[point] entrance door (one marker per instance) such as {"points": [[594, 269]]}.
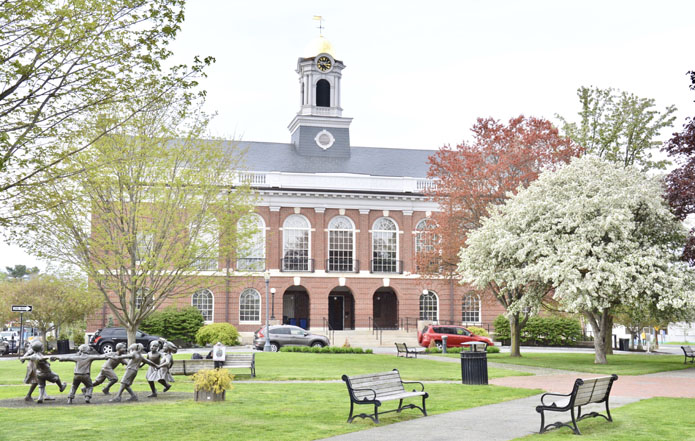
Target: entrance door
{"points": [[385, 308], [336, 312]]}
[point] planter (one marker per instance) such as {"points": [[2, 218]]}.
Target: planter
{"points": [[204, 395]]}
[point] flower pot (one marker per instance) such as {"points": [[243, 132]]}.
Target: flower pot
{"points": [[204, 395]]}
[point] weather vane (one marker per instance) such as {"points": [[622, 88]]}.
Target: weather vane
{"points": [[320, 26]]}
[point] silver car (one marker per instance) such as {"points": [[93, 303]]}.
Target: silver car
{"points": [[287, 335]]}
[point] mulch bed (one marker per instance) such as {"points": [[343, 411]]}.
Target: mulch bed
{"points": [[98, 399]]}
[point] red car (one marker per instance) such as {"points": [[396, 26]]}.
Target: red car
{"points": [[455, 336]]}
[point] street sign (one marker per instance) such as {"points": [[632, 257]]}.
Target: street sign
{"points": [[21, 308]]}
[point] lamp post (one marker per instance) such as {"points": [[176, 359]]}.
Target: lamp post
{"points": [[266, 347], [272, 303]]}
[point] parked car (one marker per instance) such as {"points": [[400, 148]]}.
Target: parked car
{"points": [[455, 336], [4, 347], [105, 340], [288, 335]]}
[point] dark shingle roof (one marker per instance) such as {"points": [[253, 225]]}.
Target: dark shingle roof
{"points": [[374, 161]]}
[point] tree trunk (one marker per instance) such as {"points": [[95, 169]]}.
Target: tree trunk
{"points": [[515, 335], [633, 336], [130, 332], [609, 334], [598, 323]]}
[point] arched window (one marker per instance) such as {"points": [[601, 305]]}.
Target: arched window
{"points": [[323, 93], [341, 244], [429, 306], [250, 306], [470, 309], [296, 233], [251, 254], [424, 236], [385, 246], [204, 301]]}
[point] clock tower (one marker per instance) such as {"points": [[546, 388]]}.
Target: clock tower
{"points": [[319, 129]]}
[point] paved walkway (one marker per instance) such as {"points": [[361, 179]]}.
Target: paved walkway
{"points": [[517, 418]]}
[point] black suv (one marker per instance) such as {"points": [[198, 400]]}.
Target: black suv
{"points": [[105, 340]]}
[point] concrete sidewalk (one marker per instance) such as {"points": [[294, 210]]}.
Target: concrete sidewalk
{"points": [[494, 422]]}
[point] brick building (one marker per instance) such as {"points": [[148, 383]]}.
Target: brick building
{"points": [[339, 228]]}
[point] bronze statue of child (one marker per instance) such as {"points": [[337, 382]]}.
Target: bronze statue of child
{"points": [[154, 372], [31, 377], [83, 369], [43, 370], [108, 369], [131, 371], [168, 351]]}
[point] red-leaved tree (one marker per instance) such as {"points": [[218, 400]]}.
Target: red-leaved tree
{"points": [[473, 175], [680, 183]]}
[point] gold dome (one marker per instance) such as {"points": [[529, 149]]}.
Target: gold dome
{"points": [[319, 45]]}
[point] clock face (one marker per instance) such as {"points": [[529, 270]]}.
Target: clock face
{"points": [[324, 63]]}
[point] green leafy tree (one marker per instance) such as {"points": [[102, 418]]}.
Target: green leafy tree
{"points": [[56, 301], [593, 235], [140, 211], [61, 61], [619, 126], [21, 271]]}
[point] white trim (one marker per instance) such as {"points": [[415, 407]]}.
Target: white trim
{"points": [[436, 297]]}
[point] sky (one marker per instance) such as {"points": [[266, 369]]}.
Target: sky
{"points": [[419, 73]]}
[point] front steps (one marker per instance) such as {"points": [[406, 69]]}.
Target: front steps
{"points": [[364, 338]]}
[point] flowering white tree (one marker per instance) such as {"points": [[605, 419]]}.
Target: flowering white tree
{"points": [[593, 235]]}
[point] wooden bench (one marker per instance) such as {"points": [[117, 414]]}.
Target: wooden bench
{"points": [[231, 361], [689, 353], [406, 352], [594, 390], [379, 387]]}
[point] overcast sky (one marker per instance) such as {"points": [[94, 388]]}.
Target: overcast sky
{"points": [[419, 73]]}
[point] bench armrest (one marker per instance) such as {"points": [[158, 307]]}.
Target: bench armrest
{"points": [[552, 395], [422, 386], [365, 398]]}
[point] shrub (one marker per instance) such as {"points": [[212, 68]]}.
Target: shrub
{"points": [[477, 330], [213, 380], [222, 332], [551, 331], [493, 349], [542, 331], [325, 350], [177, 325], [502, 332]]}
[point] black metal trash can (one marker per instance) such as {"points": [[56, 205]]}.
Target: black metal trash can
{"points": [[474, 365], [624, 344], [63, 346]]}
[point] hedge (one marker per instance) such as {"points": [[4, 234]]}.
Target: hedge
{"points": [[325, 350], [177, 325], [542, 331]]}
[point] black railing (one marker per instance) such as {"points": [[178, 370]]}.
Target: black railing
{"points": [[386, 266], [327, 329], [379, 332], [206, 264], [299, 264], [407, 323], [342, 265], [250, 264]]}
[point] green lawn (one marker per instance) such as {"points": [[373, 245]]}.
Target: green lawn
{"points": [[647, 420], [295, 366], [628, 364], [253, 411]]}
